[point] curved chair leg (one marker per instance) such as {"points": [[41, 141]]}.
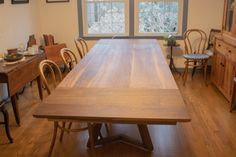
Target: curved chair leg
{"points": [[6, 122], [186, 72], [194, 69], [205, 71], [107, 129], [233, 102], [53, 139], [62, 131], [70, 125]]}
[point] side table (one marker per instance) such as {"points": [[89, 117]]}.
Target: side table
{"points": [[172, 65], [18, 75]]}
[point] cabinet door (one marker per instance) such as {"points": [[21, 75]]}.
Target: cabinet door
{"points": [[218, 62], [229, 74]]}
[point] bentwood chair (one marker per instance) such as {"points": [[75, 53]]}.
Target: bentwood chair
{"points": [[68, 58], [49, 39], [81, 46], [195, 45], [70, 61], [56, 75]]}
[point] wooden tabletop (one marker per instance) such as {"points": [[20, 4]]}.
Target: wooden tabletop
{"points": [[120, 81], [5, 69]]}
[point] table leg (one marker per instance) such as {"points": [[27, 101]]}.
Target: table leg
{"points": [[39, 82], [146, 138], [15, 109], [172, 65], [94, 133], [174, 68]]}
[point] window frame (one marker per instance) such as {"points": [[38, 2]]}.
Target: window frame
{"points": [[131, 24], [85, 21], [136, 20]]}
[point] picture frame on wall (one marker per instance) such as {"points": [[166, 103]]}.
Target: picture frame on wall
{"points": [[1, 1], [19, 1], [57, 1]]}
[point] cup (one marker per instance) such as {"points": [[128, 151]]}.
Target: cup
{"points": [[36, 48]]}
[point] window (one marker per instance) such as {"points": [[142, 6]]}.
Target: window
{"points": [[158, 17], [132, 18], [105, 17]]}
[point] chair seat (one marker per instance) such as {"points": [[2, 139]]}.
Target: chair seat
{"points": [[196, 56]]}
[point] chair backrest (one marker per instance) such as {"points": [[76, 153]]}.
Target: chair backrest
{"points": [[51, 68], [195, 41], [31, 41], [48, 39], [69, 58], [81, 46], [52, 52]]}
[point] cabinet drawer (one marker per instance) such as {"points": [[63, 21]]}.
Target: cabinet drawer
{"points": [[221, 47], [226, 49]]}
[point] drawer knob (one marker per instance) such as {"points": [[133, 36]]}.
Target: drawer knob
{"points": [[229, 51], [219, 45]]}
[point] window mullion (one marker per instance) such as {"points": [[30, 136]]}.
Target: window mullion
{"points": [[131, 18]]}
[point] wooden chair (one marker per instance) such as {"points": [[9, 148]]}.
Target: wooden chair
{"points": [[69, 58], [195, 45], [52, 49], [31, 41], [70, 61], [5, 120], [53, 69], [56, 74], [52, 52], [48, 39], [81, 46]]}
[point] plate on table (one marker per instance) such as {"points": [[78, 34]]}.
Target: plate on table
{"points": [[13, 57]]}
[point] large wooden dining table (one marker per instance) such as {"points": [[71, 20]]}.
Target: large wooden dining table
{"points": [[125, 81]]}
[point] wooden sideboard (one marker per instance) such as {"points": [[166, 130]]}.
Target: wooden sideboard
{"points": [[224, 56], [223, 67]]}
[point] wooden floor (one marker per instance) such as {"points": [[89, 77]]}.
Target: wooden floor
{"points": [[211, 133]]}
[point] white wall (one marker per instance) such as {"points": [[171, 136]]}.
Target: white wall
{"points": [[61, 20], [17, 22]]}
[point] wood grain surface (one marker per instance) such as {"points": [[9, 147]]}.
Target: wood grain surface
{"points": [[122, 63], [115, 105], [125, 80]]}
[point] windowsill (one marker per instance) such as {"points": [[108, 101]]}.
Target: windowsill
{"points": [[127, 37]]}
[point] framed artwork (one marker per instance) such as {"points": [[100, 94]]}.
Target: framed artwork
{"points": [[57, 1], [19, 1], [1, 1]]}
